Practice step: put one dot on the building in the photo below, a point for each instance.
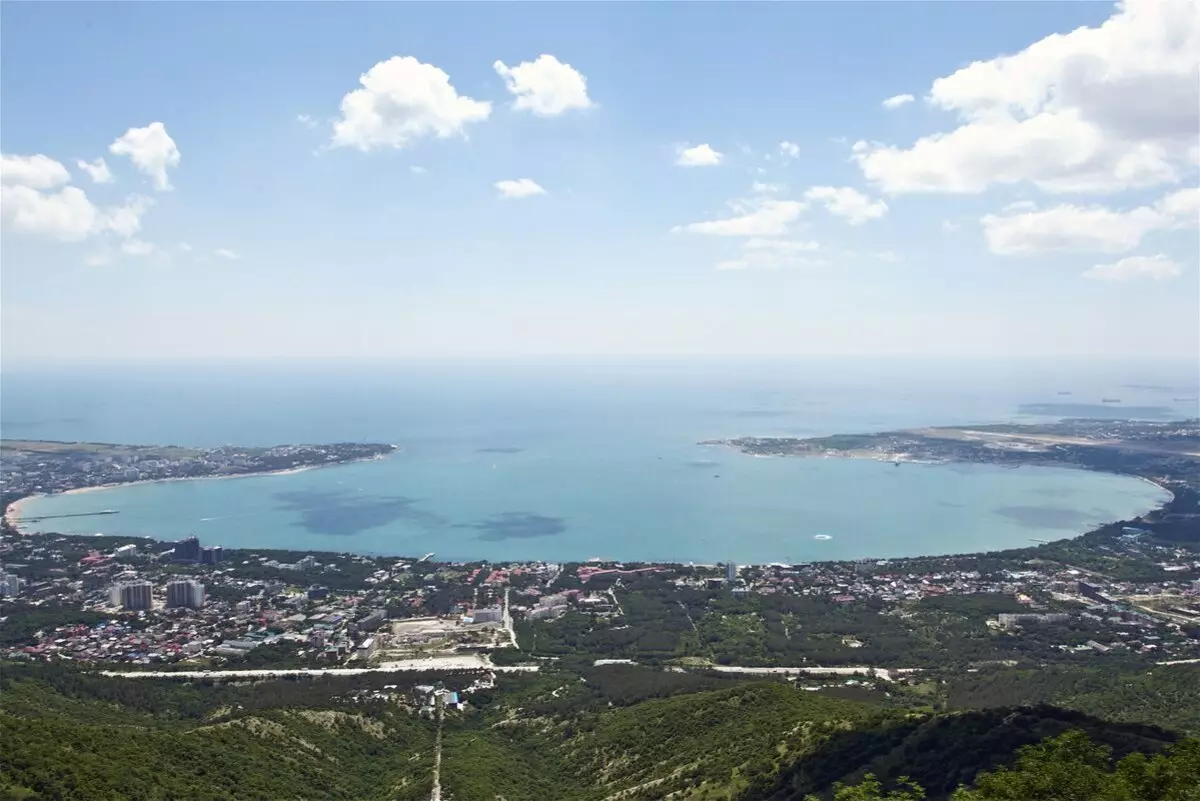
(187, 593)
(372, 621)
(731, 572)
(1093, 592)
(316, 592)
(187, 550)
(488, 614)
(132, 595)
(366, 649)
(1011, 621)
(211, 555)
(10, 585)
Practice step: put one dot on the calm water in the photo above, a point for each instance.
(564, 461)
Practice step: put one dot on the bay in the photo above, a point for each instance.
(563, 460)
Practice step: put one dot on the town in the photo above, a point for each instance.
(135, 604)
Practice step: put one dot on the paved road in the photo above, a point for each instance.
(474, 662)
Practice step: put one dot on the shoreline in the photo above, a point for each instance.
(12, 513)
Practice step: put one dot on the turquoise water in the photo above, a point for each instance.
(562, 461)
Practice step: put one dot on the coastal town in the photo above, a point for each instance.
(1130, 589)
(136, 603)
(34, 467)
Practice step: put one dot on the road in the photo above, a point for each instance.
(506, 618)
(887, 674)
(436, 793)
(473, 662)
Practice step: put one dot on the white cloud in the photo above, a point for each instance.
(417, 169)
(698, 156)
(1094, 110)
(949, 226)
(401, 100)
(35, 172)
(546, 86)
(306, 120)
(763, 217)
(1087, 228)
(758, 187)
(97, 170)
(847, 202)
(151, 149)
(789, 150)
(184, 247)
(772, 254)
(896, 101)
(136, 247)
(1157, 268)
(226, 253)
(781, 245)
(889, 256)
(67, 214)
(518, 188)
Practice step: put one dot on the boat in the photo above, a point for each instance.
(1110, 400)
(822, 537)
(1064, 392)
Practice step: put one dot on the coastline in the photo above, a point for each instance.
(12, 513)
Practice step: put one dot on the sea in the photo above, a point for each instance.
(576, 459)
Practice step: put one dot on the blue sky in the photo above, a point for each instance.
(698, 179)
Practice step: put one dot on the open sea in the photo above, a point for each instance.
(570, 460)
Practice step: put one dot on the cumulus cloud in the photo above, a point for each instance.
(35, 172)
(417, 169)
(226, 253)
(152, 151)
(545, 86)
(789, 150)
(401, 100)
(1066, 227)
(760, 217)
(896, 101)
(518, 188)
(697, 156)
(1130, 268)
(1095, 110)
(97, 170)
(33, 201)
(847, 202)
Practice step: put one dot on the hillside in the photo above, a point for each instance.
(603, 734)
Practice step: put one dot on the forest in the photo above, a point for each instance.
(638, 732)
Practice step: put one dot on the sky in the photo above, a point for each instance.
(240, 182)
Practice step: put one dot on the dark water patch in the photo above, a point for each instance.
(703, 463)
(342, 514)
(499, 450)
(952, 505)
(759, 414)
(1046, 516)
(517, 526)
(1096, 411)
(1054, 492)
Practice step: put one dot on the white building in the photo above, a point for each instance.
(133, 595)
(185, 593)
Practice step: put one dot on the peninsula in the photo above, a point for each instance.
(39, 467)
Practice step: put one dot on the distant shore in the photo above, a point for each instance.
(12, 514)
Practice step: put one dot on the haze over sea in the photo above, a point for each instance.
(571, 460)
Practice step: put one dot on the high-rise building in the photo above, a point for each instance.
(10, 585)
(211, 555)
(187, 550)
(731, 572)
(186, 593)
(133, 595)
